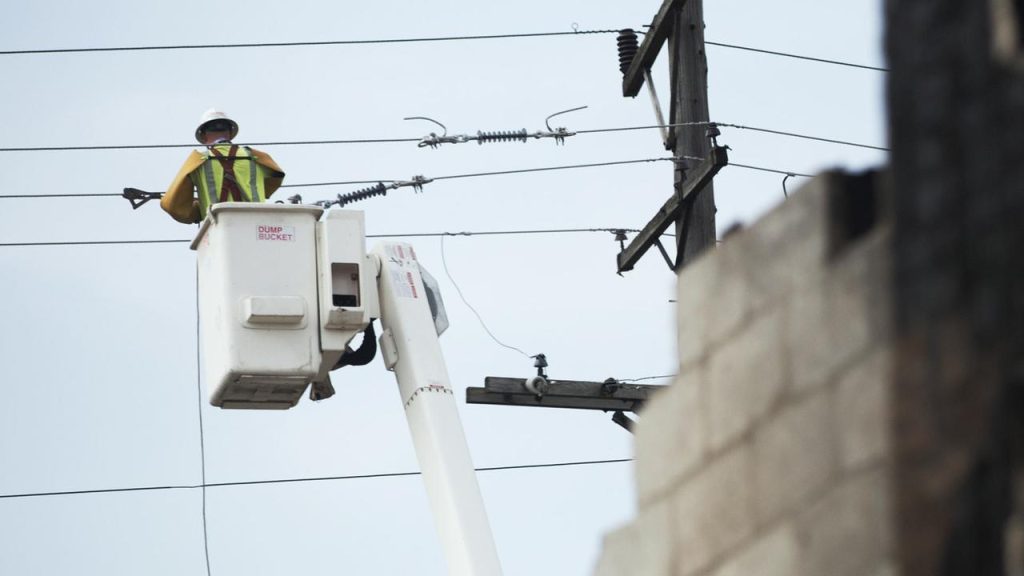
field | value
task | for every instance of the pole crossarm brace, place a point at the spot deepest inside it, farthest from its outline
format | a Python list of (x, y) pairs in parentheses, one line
[(696, 180), (661, 28), (607, 396)]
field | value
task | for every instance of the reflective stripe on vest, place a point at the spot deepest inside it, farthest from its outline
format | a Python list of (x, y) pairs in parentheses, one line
[(229, 172)]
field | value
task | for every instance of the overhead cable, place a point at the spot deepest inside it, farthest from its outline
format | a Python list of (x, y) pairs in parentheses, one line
[(772, 170), (796, 56), (647, 378), (422, 180), (406, 235), (298, 480), (575, 32), (803, 136), (193, 145), (458, 290), (434, 140), (202, 436)]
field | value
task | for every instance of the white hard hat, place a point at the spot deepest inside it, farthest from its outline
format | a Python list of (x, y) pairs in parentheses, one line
[(211, 115)]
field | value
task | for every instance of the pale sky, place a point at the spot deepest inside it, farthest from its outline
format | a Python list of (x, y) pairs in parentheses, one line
[(98, 342)]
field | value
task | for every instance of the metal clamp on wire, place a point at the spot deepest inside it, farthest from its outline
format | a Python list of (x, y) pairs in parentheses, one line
[(416, 183), (433, 140), (560, 133)]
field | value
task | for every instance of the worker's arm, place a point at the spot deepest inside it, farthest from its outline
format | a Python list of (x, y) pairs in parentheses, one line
[(179, 200), (274, 175)]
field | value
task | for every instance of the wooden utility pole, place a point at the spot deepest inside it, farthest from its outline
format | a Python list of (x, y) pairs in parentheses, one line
[(692, 206), (695, 229)]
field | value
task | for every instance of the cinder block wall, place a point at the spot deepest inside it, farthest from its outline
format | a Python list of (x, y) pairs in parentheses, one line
[(770, 454)]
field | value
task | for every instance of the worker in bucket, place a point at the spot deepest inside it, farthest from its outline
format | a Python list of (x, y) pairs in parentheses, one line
[(221, 172)]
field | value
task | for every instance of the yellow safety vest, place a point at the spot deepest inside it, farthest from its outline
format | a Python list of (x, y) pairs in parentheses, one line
[(229, 173)]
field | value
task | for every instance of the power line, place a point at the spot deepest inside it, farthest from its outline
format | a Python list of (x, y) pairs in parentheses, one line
[(296, 480), (202, 441), (804, 136), (450, 177), (548, 168), (506, 232), (407, 140), (305, 43), (395, 235), (340, 183), (772, 170), (423, 39), (648, 378), (444, 264), (90, 243), (796, 56), (193, 145)]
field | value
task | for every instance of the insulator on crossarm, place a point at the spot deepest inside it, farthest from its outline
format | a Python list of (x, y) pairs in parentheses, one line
[(628, 48), (509, 136), (378, 189)]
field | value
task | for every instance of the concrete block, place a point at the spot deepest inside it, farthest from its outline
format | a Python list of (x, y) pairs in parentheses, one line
[(669, 437), (886, 569), (728, 303), (746, 377), (794, 457), (618, 552), (713, 300), (834, 317), (862, 409), (712, 512), (850, 531), (808, 328), (786, 246), (654, 553), (775, 554), (643, 548)]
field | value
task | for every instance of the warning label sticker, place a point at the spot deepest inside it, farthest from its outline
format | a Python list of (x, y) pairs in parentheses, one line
[(275, 233), (400, 252), (403, 283)]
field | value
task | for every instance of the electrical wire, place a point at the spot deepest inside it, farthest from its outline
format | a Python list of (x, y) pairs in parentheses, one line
[(547, 168), (450, 177), (90, 243), (796, 56), (306, 43), (647, 378), (394, 235), (315, 184), (773, 170), (646, 127), (804, 136), (406, 140), (194, 145), (297, 480), (444, 263), (202, 441), (505, 232), (575, 32)]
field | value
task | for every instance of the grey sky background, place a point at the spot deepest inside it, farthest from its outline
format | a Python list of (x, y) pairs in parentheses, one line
[(98, 342)]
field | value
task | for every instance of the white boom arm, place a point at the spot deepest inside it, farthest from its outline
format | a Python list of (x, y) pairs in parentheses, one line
[(410, 346)]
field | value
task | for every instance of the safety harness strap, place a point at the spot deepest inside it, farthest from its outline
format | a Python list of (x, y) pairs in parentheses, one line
[(229, 185)]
